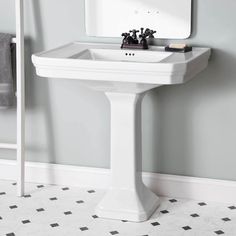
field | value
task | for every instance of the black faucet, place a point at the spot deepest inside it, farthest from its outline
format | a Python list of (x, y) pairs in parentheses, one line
[(134, 35), (132, 42)]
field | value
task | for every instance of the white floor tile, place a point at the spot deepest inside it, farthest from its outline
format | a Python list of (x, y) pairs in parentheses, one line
[(68, 211)]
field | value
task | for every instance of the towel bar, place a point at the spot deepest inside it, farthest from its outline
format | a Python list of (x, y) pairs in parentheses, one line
[(8, 146)]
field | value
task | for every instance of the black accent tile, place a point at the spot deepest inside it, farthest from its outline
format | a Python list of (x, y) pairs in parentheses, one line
[(114, 232), (2, 193), (40, 209), (164, 212), (95, 216), (186, 227), (173, 200), (66, 188), (27, 196), (84, 228), (53, 198), (54, 225), (226, 219), (10, 234), (155, 223), (67, 213), (25, 221), (91, 191), (202, 204), (124, 221), (14, 183), (40, 186), (80, 201), (194, 215), (219, 232), (13, 207), (0, 218), (232, 207)]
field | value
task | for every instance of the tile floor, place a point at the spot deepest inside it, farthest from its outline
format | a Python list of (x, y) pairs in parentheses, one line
[(60, 210)]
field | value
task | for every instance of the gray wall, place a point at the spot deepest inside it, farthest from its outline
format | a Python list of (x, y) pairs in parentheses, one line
[(188, 129)]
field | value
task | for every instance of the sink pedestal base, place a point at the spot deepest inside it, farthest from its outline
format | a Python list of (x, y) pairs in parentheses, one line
[(128, 198)]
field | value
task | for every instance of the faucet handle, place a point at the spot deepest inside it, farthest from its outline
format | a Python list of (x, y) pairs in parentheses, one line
[(141, 29), (125, 34), (144, 34), (151, 34), (134, 33)]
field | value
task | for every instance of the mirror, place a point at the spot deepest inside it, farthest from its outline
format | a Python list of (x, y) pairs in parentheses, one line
[(109, 18)]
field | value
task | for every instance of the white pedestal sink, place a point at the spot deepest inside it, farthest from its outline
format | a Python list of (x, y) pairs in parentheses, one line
[(124, 76)]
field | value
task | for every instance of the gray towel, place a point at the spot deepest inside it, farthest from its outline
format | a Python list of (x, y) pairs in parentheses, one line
[(6, 77)]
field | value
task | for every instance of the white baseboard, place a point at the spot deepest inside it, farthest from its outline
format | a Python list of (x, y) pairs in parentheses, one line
[(163, 185)]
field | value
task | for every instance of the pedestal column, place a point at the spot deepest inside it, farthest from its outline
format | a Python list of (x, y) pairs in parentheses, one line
[(128, 198)]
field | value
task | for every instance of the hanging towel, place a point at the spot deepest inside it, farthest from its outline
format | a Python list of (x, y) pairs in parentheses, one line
[(6, 77)]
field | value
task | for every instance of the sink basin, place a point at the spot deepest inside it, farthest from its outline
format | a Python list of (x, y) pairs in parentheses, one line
[(124, 76), (106, 67), (122, 55)]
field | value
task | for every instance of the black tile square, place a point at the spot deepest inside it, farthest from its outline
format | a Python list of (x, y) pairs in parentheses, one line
[(91, 191), (40, 186), (80, 201), (173, 200), (27, 196), (40, 209), (124, 221), (66, 188), (226, 219), (10, 234), (95, 216), (155, 223), (0, 218), (194, 215), (25, 221), (53, 198), (54, 225), (2, 193), (186, 227), (68, 213), (232, 207), (84, 228), (114, 232), (13, 207), (202, 204), (14, 183), (164, 212), (219, 232)]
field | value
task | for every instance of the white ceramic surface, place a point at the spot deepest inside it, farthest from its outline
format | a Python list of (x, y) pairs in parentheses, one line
[(118, 55), (106, 67), (124, 76)]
